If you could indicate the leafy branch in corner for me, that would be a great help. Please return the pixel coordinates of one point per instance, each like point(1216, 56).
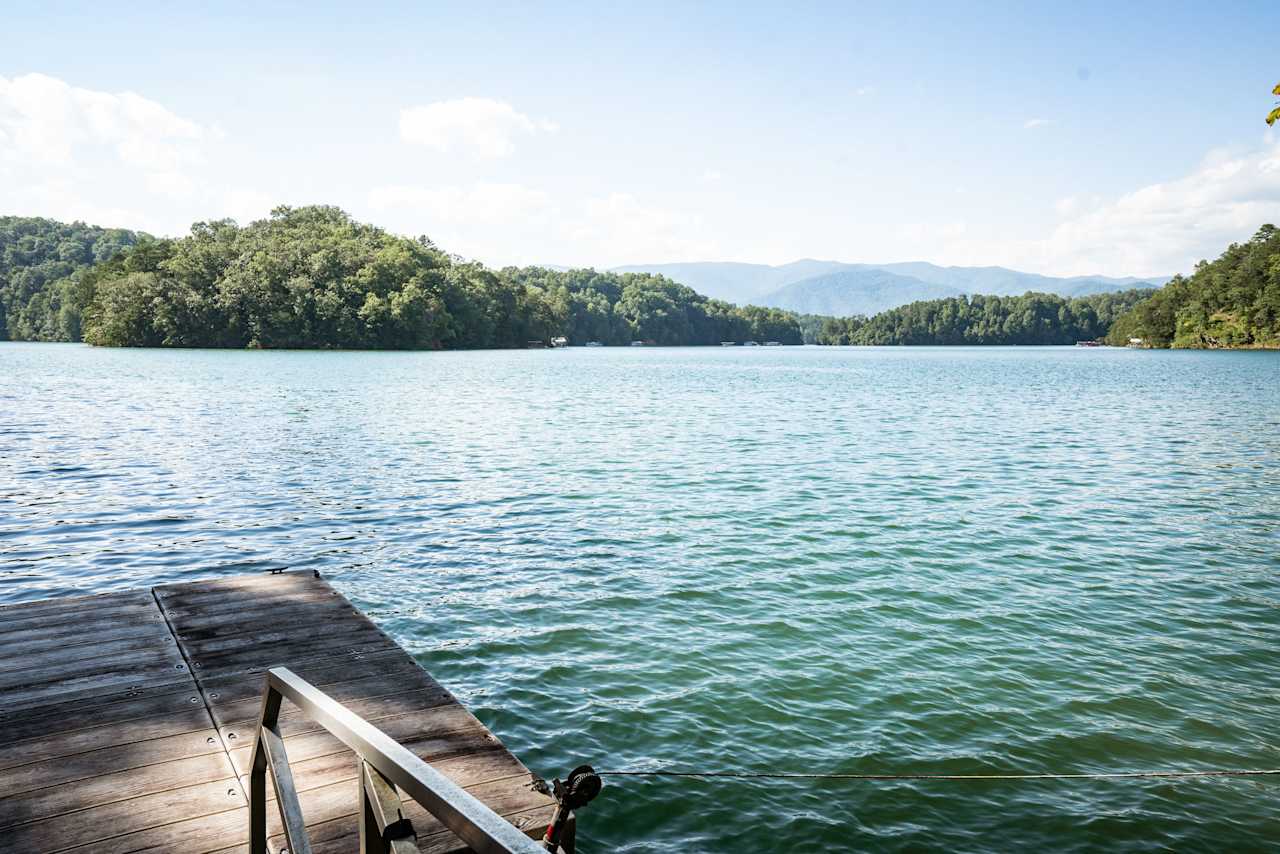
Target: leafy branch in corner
point(1274, 114)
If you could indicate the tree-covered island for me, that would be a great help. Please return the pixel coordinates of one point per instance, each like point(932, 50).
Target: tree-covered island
point(312, 277)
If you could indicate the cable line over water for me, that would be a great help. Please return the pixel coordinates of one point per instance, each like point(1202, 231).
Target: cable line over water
point(1102, 775)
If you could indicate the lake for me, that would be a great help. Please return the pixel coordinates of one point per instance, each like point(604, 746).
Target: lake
point(937, 560)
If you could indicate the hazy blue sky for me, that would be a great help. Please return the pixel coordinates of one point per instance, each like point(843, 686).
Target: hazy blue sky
point(1117, 138)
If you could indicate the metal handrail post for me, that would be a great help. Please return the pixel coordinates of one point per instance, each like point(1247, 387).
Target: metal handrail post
point(383, 827)
point(385, 766)
point(269, 716)
point(269, 755)
point(370, 837)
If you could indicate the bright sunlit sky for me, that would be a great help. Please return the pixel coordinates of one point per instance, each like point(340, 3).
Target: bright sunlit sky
point(1113, 138)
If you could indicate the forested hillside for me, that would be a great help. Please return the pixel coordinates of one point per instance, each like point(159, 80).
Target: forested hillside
point(617, 308)
point(1231, 302)
point(40, 264)
point(1028, 319)
point(314, 278)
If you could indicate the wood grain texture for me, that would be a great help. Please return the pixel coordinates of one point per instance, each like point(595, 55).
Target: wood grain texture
point(233, 631)
point(103, 732)
point(126, 719)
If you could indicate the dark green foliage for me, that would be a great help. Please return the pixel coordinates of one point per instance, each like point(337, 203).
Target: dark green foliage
point(1032, 318)
point(1231, 302)
point(314, 278)
point(811, 326)
point(306, 277)
point(41, 263)
point(617, 308)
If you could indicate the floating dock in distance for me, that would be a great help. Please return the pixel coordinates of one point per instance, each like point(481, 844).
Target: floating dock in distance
point(127, 720)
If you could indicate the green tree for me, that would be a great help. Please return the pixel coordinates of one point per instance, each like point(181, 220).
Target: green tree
point(1032, 318)
point(313, 277)
point(1233, 301)
point(41, 263)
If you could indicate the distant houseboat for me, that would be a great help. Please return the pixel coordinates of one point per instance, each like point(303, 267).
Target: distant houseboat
point(728, 343)
point(1088, 343)
point(637, 343)
point(750, 344)
point(594, 344)
point(560, 342)
point(773, 343)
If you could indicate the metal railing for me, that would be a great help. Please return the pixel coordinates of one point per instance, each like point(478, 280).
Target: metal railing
point(386, 769)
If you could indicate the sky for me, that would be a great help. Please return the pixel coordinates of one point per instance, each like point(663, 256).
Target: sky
point(1066, 139)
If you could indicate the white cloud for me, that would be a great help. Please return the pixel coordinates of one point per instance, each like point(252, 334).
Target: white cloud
point(45, 120)
point(481, 204)
point(173, 184)
point(1032, 124)
point(1159, 229)
point(481, 127)
point(75, 153)
point(498, 223)
point(62, 199)
point(1073, 206)
point(516, 224)
point(116, 159)
point(243, 205)
point(1167, 227)
point(620, 226)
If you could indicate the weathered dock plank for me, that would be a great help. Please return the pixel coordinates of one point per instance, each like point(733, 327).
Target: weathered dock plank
point(127, 719)
point(102, 728)
point(50, 610)
point(232, 630)
point(85, 714)
point(96, 826)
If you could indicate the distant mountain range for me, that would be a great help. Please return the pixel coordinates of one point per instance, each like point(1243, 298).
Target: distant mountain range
point(836, 288)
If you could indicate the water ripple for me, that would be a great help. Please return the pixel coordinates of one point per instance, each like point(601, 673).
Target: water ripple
point(928, 560)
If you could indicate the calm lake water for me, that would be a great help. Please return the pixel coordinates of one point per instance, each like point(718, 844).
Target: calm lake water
point(849, 560)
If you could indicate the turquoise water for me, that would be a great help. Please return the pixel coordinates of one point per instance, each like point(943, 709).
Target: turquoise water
point(851, 560)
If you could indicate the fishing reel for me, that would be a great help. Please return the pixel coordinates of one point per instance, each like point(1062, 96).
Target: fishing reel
point(576, 792)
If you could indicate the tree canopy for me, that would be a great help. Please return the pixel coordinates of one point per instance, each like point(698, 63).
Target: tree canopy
point(1032, 318)
point(41, 262)
point(312, 277)
point(1231, 302)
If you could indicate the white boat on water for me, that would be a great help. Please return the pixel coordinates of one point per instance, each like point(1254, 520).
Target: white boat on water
point(750, 344)
point(773, 343)
point(594, 344)
point(728, 343)
point(637, 343)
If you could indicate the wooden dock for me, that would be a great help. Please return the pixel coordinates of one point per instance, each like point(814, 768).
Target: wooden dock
point(127, 720)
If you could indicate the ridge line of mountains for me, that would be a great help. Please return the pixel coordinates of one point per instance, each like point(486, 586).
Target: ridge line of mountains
point(840, 289)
